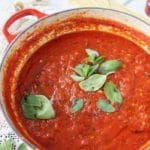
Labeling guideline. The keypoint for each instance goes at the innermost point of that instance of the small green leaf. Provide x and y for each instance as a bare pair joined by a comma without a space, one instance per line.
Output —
37,107
109,66
77,78
32,100
6,145
86,69
93,83
77,105
99,60
112,93
90,60
82,69
22,147
92,53
93,56
28,111
105,106
78,70
93,69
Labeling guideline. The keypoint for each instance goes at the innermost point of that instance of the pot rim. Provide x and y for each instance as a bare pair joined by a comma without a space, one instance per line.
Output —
8,48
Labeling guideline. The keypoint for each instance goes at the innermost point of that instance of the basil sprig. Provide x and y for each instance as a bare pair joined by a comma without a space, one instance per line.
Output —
77,105
92,53
93,57
37,107
109,66
93,83
92,69
82,70
22,147
112,93
105,106
7,145
92,76
99,60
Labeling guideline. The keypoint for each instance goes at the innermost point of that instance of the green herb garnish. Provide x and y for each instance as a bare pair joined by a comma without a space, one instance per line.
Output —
104,106
6,145
77,105
37,107
93,83
93,57
22,147
109,66
92,69
92,76
99,60
82,70
77,78
112,93
92,53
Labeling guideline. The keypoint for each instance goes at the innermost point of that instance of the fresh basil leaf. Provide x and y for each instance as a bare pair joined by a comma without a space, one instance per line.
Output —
93,69
93,56
22,147
92,53
105,106
86,69
77,78
95,60
82,69
90,60
78,70
99,60
33,102
28,111
6,145
112,93
93,83
109,66
77,105
37,107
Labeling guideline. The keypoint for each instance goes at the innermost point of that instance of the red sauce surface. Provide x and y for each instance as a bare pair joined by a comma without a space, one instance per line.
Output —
48,72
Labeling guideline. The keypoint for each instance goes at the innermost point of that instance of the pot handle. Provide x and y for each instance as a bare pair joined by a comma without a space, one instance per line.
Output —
16,16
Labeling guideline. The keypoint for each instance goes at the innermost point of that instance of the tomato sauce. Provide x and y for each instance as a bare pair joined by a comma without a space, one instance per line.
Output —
48,72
